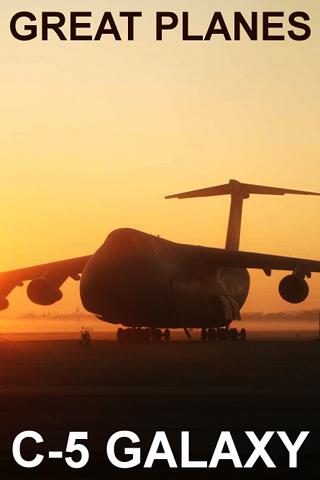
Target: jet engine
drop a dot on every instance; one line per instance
(293, 289)
(4, 303)
(43, 292)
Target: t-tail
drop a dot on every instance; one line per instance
(239, 192)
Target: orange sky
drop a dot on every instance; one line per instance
(93, 135)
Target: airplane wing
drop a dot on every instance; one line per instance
(262, 261)
(55, 273)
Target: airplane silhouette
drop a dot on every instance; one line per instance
(147, 283)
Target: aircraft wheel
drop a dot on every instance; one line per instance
(212, 334)
(223, 334)
(204, 334)
(233, 334)
(243, 334)
(167, 335)
(155, 335)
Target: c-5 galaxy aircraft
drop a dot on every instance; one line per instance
(150, 285)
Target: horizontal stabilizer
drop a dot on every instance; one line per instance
(238, 192)
(241, 189)
(203, 192)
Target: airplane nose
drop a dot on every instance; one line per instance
(123, 287)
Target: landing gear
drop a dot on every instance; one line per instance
(142, 335)
(233, 334)
(154, 335)
(243, 334)
(223, 334)
(204, 334)
(85, 340)
(167, 335)
(188, 334)
(212, 334)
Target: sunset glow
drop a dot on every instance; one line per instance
(94, 135)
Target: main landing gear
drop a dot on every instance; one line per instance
(142, 335)
(213, 334)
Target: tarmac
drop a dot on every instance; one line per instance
(54, 387)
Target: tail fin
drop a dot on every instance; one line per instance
(239, 192)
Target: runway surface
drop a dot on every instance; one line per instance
(54, 387)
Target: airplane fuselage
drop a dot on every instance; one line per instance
(141, 280)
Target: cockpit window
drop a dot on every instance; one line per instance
(119, 237)
(126, 238)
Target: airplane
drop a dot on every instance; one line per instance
(148, 285)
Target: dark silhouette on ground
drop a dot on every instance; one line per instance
(138, 280)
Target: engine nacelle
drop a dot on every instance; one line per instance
(4, 303)
(293, 289)
(42, 292)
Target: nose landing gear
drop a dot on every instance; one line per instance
(142, 335)
(213, 334)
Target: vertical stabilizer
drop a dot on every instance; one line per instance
(235, 215)
(239, 192)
